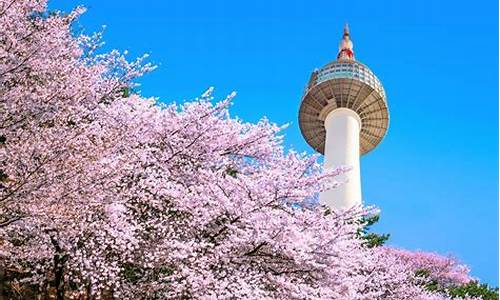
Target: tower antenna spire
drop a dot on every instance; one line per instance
(345, 47)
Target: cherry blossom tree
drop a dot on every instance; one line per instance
(105, 194)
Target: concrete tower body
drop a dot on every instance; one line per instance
(344, 114)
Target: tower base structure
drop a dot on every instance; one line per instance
(343, 127)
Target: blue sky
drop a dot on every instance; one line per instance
(434, 176)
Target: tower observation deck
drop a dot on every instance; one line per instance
(343, 114)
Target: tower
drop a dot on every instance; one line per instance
(343, 115)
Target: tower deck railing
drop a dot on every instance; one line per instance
(345, 69)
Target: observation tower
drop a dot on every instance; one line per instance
(343, 115)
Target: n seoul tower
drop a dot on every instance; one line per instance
(343, 115)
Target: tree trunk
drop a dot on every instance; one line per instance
(60, 259)
(59, 275)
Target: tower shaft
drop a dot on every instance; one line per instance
(343, 127)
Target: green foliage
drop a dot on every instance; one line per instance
(370, 220)
(128, 91)
(428, 283)
(132, 273)
(471, 289)
(372, 239)
(423, 273)
(375, 239)
(166, 271)
(474, 289)
(231, 172)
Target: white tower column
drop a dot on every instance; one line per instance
(343, 126)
